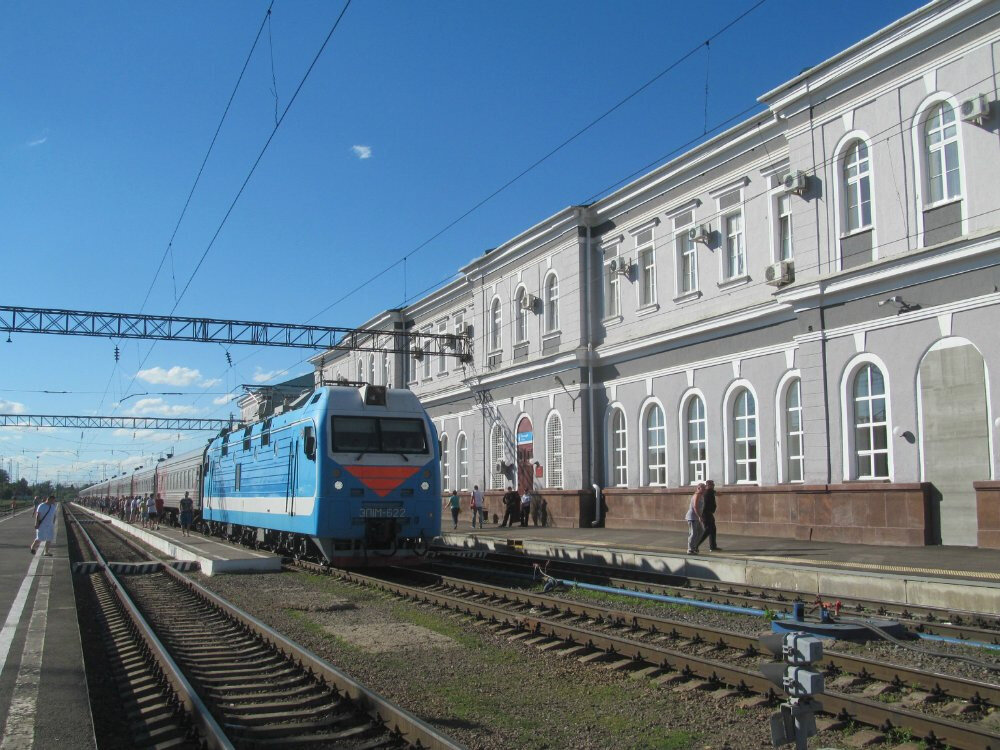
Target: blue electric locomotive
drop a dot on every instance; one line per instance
(350, 477)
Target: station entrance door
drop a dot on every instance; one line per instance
(525, 456)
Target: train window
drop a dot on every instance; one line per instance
(225, 444)
(378, 435)
(309, 442)
(355, 434)
(239, 473)
(265, 432)
(403, 436)
(316, 397)
(246, 438)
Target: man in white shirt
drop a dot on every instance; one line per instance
(478, 501)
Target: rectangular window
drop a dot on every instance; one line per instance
(265, 432)
(612, 286)
(735, 248)
(687, 264)
(784, 227)
(645, 251)
(442, 328)
(378, 435)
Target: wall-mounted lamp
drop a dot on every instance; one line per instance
(901, 305)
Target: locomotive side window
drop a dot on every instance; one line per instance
(246, 438)
(265, 432)
(309, 442)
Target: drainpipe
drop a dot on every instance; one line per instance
(590, 380)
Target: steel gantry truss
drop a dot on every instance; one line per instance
(215, 331)
(127, 423)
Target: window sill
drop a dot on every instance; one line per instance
(522, 342)
(647, 310)
(494, 353)
(859, 230)
(688, 296)
(612, 320)
(734, 281)
(946, 202)
(551, 334)
(441, 374)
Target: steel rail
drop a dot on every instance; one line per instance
(211, 733)
(935, 683)
(406, 725)
(929, 728)
(935, 621)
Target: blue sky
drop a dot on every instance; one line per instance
(414, 113)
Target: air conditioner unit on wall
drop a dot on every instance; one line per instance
(500, 467)
(622, 266)
(528, 302)
(795, 182)
(701, 233)
(976, 109)
(780, 273)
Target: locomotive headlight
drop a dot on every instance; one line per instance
(338, 485)
(424, 486)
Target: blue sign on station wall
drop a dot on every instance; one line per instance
(524, 437)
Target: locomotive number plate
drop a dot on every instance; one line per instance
(383, 512)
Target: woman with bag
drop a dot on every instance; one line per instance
(694, 518)
(45, 525)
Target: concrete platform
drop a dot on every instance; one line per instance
(43, 684)
(212, 555)
(961, 578)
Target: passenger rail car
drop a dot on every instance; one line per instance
(350, 477)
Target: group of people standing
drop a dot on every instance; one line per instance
(516, 508)
(701, 518)
(146, 510)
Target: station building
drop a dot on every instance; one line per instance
(805, 308)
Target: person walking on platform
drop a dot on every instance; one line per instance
(45, 525)
(159, 510)
(150, 512)
(708, 518)
(511, 507)
(187, 514)
(693, 518)
(455, 504)
(478, 501)
(525, 506)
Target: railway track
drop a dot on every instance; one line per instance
(938, 709)
(193, 670)
(972, 626)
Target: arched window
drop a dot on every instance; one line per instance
(871, 425)
(941, 154)
(794, 434)
(656, 446)
(554, 451)
(387, 368)
(361, 371)
(551, 303)
(697, 441)
(445, 476)
(618, 440)
(520, 316)
(371, 369)
(497, 456)
(857, 187)
(463, 462)
(496, 323)
(745, 436)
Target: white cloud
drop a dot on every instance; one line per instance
(176, 375)
(37, 141)
(209, 382)
(259, 376)
(147, 436)
(362, 152)
(224, 399)
(147, 407)
(11, 407)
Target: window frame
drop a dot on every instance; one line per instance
(921, 168)
(849, 454)
(872, 426)
(849, 182)
(611, 288)
(646, 288)
(495, 319)
(617, 453)
(782, 433)
(689, 475)
(462, 453)
(550, 290)
(941, 148)
(734, 240)
(749, 467)
(442, 359)
(520, 316)
(648, 465)
(498, 452)
(445, 461)
(551, 454)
